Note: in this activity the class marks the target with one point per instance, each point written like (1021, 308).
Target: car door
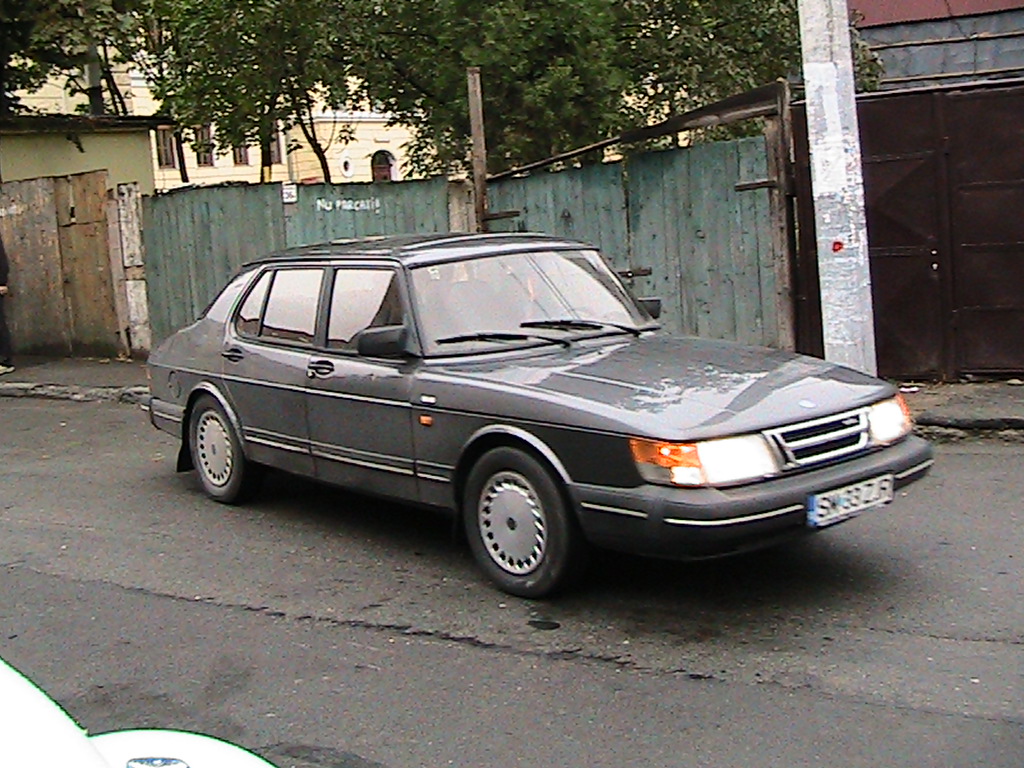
(359, 410)
(266, 356)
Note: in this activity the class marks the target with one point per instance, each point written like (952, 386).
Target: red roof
(878, 12)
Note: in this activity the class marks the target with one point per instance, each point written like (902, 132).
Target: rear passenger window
(291, 307)
(247, 322)
(362, 298)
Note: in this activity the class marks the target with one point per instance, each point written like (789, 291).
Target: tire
(520, 531)
(226, 475)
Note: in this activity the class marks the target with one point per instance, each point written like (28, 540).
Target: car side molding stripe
(362, 463)
(736, 520)
(396, 464)
(614, 510)
(914, 470)
(312, 392)
(260, 440)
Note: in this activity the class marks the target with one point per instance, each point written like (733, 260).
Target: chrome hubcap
(213, 447)
(512, 523)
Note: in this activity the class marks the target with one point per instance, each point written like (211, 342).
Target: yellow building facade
(360, 145)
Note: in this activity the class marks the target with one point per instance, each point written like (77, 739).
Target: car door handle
(319, 368)
(234, 354)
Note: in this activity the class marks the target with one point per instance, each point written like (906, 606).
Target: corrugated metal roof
(880, 12)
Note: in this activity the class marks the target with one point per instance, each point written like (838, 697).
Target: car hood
(681, 388)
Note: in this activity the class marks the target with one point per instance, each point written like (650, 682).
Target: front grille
(821, 440)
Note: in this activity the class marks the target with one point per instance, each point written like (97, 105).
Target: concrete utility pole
(838, 185)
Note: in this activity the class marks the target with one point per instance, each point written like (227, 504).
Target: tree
(551, 72)
(559, 74)
(245, 67)
(687, 53)
(40, 39)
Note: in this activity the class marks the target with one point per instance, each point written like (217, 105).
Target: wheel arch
(205, 388)
(504, 435)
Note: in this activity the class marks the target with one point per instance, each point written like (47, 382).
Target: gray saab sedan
(513, 380)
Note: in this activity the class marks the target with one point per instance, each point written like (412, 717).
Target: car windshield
(520, 297)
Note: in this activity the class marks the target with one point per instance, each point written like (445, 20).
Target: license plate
(841, 503)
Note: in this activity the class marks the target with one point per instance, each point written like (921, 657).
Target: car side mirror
(385, 341)
(651, 306)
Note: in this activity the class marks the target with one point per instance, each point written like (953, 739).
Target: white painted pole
(838, 185)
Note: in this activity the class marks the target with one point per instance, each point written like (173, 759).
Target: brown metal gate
(944, 188)
(986, 180)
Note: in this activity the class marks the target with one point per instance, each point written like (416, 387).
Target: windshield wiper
(501, 336)
(570, 323)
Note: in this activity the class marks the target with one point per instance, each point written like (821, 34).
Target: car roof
(419, 250)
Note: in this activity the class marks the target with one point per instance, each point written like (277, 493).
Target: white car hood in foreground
(36, 733)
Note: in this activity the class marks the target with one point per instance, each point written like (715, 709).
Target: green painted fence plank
(325, 212)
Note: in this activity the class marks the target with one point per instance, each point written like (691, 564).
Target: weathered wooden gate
(63, 297)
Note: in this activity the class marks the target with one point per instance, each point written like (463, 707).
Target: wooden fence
(693, 226)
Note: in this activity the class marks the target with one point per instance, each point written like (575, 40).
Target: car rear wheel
(226, 475)
(519, 528)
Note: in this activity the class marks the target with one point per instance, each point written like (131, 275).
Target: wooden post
(778, 138)
(479, 154)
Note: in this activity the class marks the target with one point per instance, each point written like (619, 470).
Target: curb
(972, 423)
(956, 433)
(132, 395)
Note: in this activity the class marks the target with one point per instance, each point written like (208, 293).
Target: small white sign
(289, 192)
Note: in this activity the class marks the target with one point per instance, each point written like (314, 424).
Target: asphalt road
(323, 629)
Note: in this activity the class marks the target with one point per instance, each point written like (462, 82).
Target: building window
(382, 165)
(204, 145)
(241, 155)
(275, 149)
(166, 151)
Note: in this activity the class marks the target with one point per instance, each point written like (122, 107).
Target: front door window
(361, 299)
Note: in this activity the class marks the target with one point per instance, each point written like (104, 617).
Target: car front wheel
(217, 454)
(519, 528)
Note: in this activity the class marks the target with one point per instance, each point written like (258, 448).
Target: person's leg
(5, 339)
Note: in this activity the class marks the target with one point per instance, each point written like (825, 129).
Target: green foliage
(684, 54)
(556, 74)
(561, 74)
(246, 66)
(40, 39)
(551, 72)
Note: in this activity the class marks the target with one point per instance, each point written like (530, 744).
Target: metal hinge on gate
(745, 186)
(629, 274)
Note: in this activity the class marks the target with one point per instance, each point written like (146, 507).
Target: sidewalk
(953, 411)
(942, 411)
(83, 379)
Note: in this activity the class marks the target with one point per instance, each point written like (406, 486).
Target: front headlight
(709, 462)
(889, 420)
